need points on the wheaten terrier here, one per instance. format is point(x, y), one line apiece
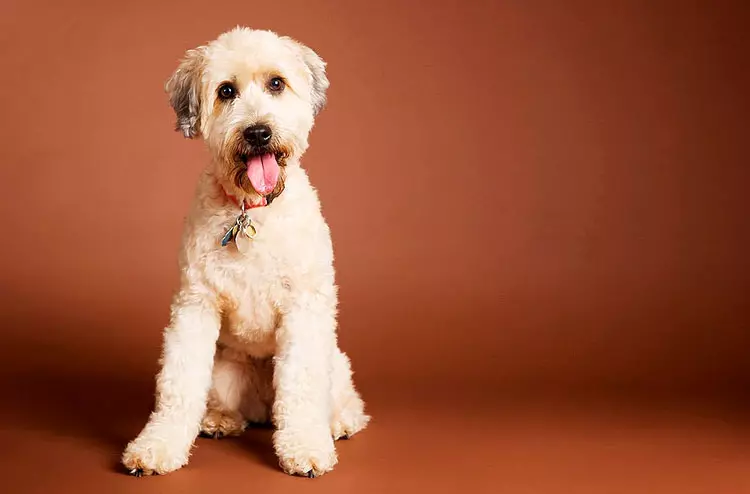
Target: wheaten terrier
point(252, 334)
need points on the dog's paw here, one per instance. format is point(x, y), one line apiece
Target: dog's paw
point(308, 453)
point(218, 424)
point(349, 420)
point(149, 456)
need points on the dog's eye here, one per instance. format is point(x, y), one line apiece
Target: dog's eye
point(276, 85)
point(227, 91)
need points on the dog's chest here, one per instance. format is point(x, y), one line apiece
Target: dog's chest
point(251, 313)
point(252, 287)
point(290, 255)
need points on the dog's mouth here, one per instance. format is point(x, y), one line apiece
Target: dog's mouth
point(263, 169)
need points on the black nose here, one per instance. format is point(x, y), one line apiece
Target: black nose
point(258, 135)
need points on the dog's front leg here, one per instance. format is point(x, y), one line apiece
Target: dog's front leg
point(302, 408)
point(182, 388)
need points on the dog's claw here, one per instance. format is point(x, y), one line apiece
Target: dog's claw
point(310, 474)
point(137, 472)
point(344, 437)
point(212, 435)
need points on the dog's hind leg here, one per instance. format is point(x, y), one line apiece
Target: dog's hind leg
point(230, 382)
point(258, 398)
point(348, 408)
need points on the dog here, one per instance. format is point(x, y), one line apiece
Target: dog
point(252, 335)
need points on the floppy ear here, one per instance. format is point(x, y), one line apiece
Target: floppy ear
point(317, 68)
point(183, 88)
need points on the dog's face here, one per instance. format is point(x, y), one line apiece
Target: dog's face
point(253, 96)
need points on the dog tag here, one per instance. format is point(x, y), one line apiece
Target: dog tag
point(242, 242)
point(228, 236)
point(248, 229)
point(246, 234)
point(242, 232)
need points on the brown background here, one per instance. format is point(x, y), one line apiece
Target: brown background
point(539, 215)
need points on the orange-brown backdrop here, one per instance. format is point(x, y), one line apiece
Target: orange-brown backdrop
point(525, 197)
point(545, 193)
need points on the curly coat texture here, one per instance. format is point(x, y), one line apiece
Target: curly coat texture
point(252, 336)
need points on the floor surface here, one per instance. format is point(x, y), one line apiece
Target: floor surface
point(64, 434)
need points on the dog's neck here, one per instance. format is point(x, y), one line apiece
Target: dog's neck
point(236, 197)
point(246, 203)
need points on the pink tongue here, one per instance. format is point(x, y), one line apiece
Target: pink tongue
point(263, 172)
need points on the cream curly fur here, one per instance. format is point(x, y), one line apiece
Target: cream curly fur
point(252, 336)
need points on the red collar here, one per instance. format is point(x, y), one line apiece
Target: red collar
point(248, 205)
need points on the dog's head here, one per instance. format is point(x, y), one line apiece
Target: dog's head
point(252, 95)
